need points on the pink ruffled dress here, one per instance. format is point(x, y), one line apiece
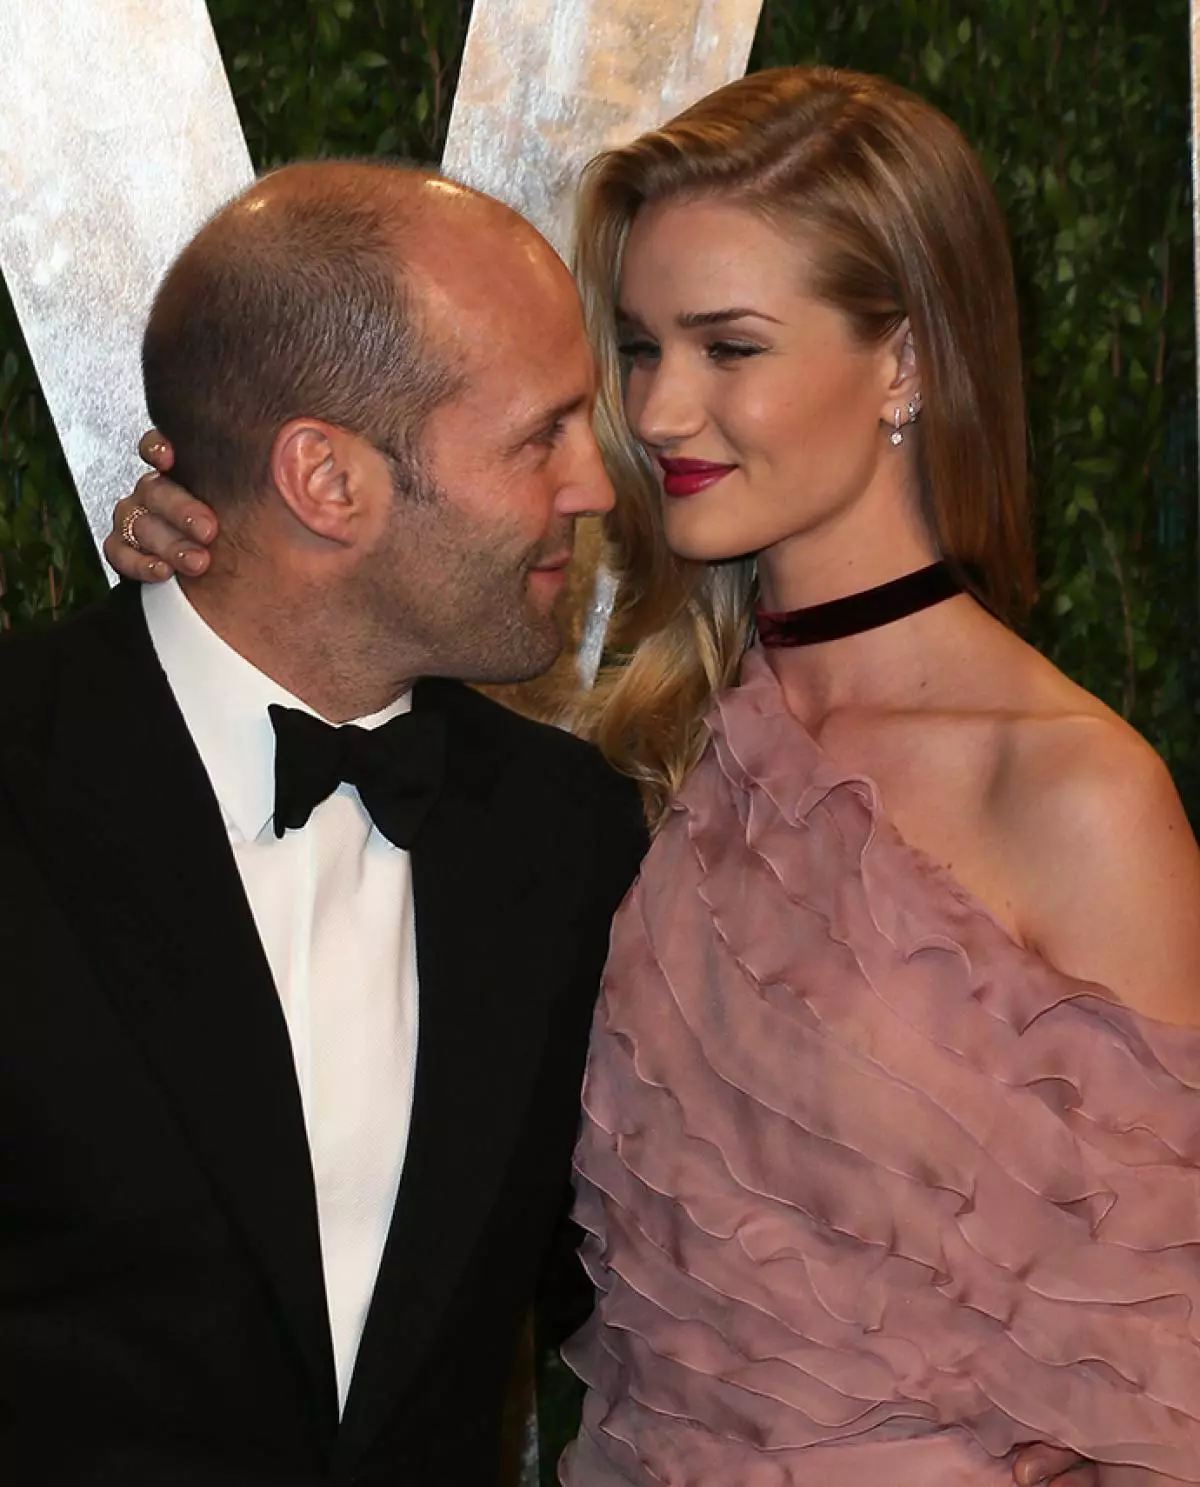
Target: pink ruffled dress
point(872, 1195)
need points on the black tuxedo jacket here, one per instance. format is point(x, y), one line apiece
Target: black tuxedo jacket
point(162, 1312)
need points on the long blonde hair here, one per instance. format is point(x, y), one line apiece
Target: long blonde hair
point(899, 221)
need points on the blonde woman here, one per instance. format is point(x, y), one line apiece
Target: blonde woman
point(889, 1164)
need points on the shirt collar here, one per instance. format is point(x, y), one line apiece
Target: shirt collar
point(224, 700)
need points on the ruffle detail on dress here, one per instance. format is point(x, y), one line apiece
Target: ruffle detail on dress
point(858, 1173)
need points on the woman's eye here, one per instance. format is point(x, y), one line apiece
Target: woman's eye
point(731, 350)
point(638, 351)
point(552, 433)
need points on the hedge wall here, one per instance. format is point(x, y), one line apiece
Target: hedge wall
point(1081, 114)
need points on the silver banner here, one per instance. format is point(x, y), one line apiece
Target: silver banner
point(546, 84)
point(118, 137)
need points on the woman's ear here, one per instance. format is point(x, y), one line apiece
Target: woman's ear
point(907, 371)
point(904, 373)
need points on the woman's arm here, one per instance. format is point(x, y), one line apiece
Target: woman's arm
point(1106, 875)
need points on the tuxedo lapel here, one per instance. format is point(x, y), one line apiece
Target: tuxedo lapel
point(481, 1030)
point(120, 810)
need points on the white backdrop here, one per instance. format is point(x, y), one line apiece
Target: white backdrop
point(118, 137)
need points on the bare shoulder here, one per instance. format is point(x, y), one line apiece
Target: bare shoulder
point(1084, 770)
point(1099, 842)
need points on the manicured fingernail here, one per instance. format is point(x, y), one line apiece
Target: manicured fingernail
point(190, 562)
point(157, 569)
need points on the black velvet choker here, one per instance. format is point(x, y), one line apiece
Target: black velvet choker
point(858, 612)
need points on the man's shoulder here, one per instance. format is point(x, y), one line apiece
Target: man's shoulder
point(38, 660)
point(98, 623)
point(566, 772)
point(25, 652)
point(570, 761)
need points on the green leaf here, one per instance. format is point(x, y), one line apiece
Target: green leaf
point(933, 62)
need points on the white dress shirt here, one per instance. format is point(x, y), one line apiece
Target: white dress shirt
point(333, 906)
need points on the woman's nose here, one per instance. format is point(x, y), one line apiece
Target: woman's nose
point(662, 405)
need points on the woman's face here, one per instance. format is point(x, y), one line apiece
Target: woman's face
point(768, 420)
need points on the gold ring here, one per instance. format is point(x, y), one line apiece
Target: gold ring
point(128, 536)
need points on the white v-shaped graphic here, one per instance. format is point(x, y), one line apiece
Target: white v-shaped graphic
point(118, 137)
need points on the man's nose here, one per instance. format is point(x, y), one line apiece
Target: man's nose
point(588, 491)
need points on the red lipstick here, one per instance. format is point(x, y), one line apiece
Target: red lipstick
point(688, 477)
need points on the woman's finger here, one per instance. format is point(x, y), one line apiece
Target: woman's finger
point(160, 539)
point(127, 562)
point(156, 450)
point(174, 507)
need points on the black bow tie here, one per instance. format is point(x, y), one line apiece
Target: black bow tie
point(397, 769)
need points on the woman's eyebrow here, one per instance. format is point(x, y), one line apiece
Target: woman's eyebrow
point(696, 319)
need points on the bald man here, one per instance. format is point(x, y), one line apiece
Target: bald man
point(289, 1089)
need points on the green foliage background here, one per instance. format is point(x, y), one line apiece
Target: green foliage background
point(1080, 112)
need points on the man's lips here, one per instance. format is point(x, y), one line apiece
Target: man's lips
point(687, 477)
point(552, 571)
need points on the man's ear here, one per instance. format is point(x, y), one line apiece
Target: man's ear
point(327, 478)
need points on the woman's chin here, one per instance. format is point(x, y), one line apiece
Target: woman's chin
point(707, 542)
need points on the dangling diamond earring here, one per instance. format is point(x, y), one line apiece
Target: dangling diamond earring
point(914, 407)
point(897, 436)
